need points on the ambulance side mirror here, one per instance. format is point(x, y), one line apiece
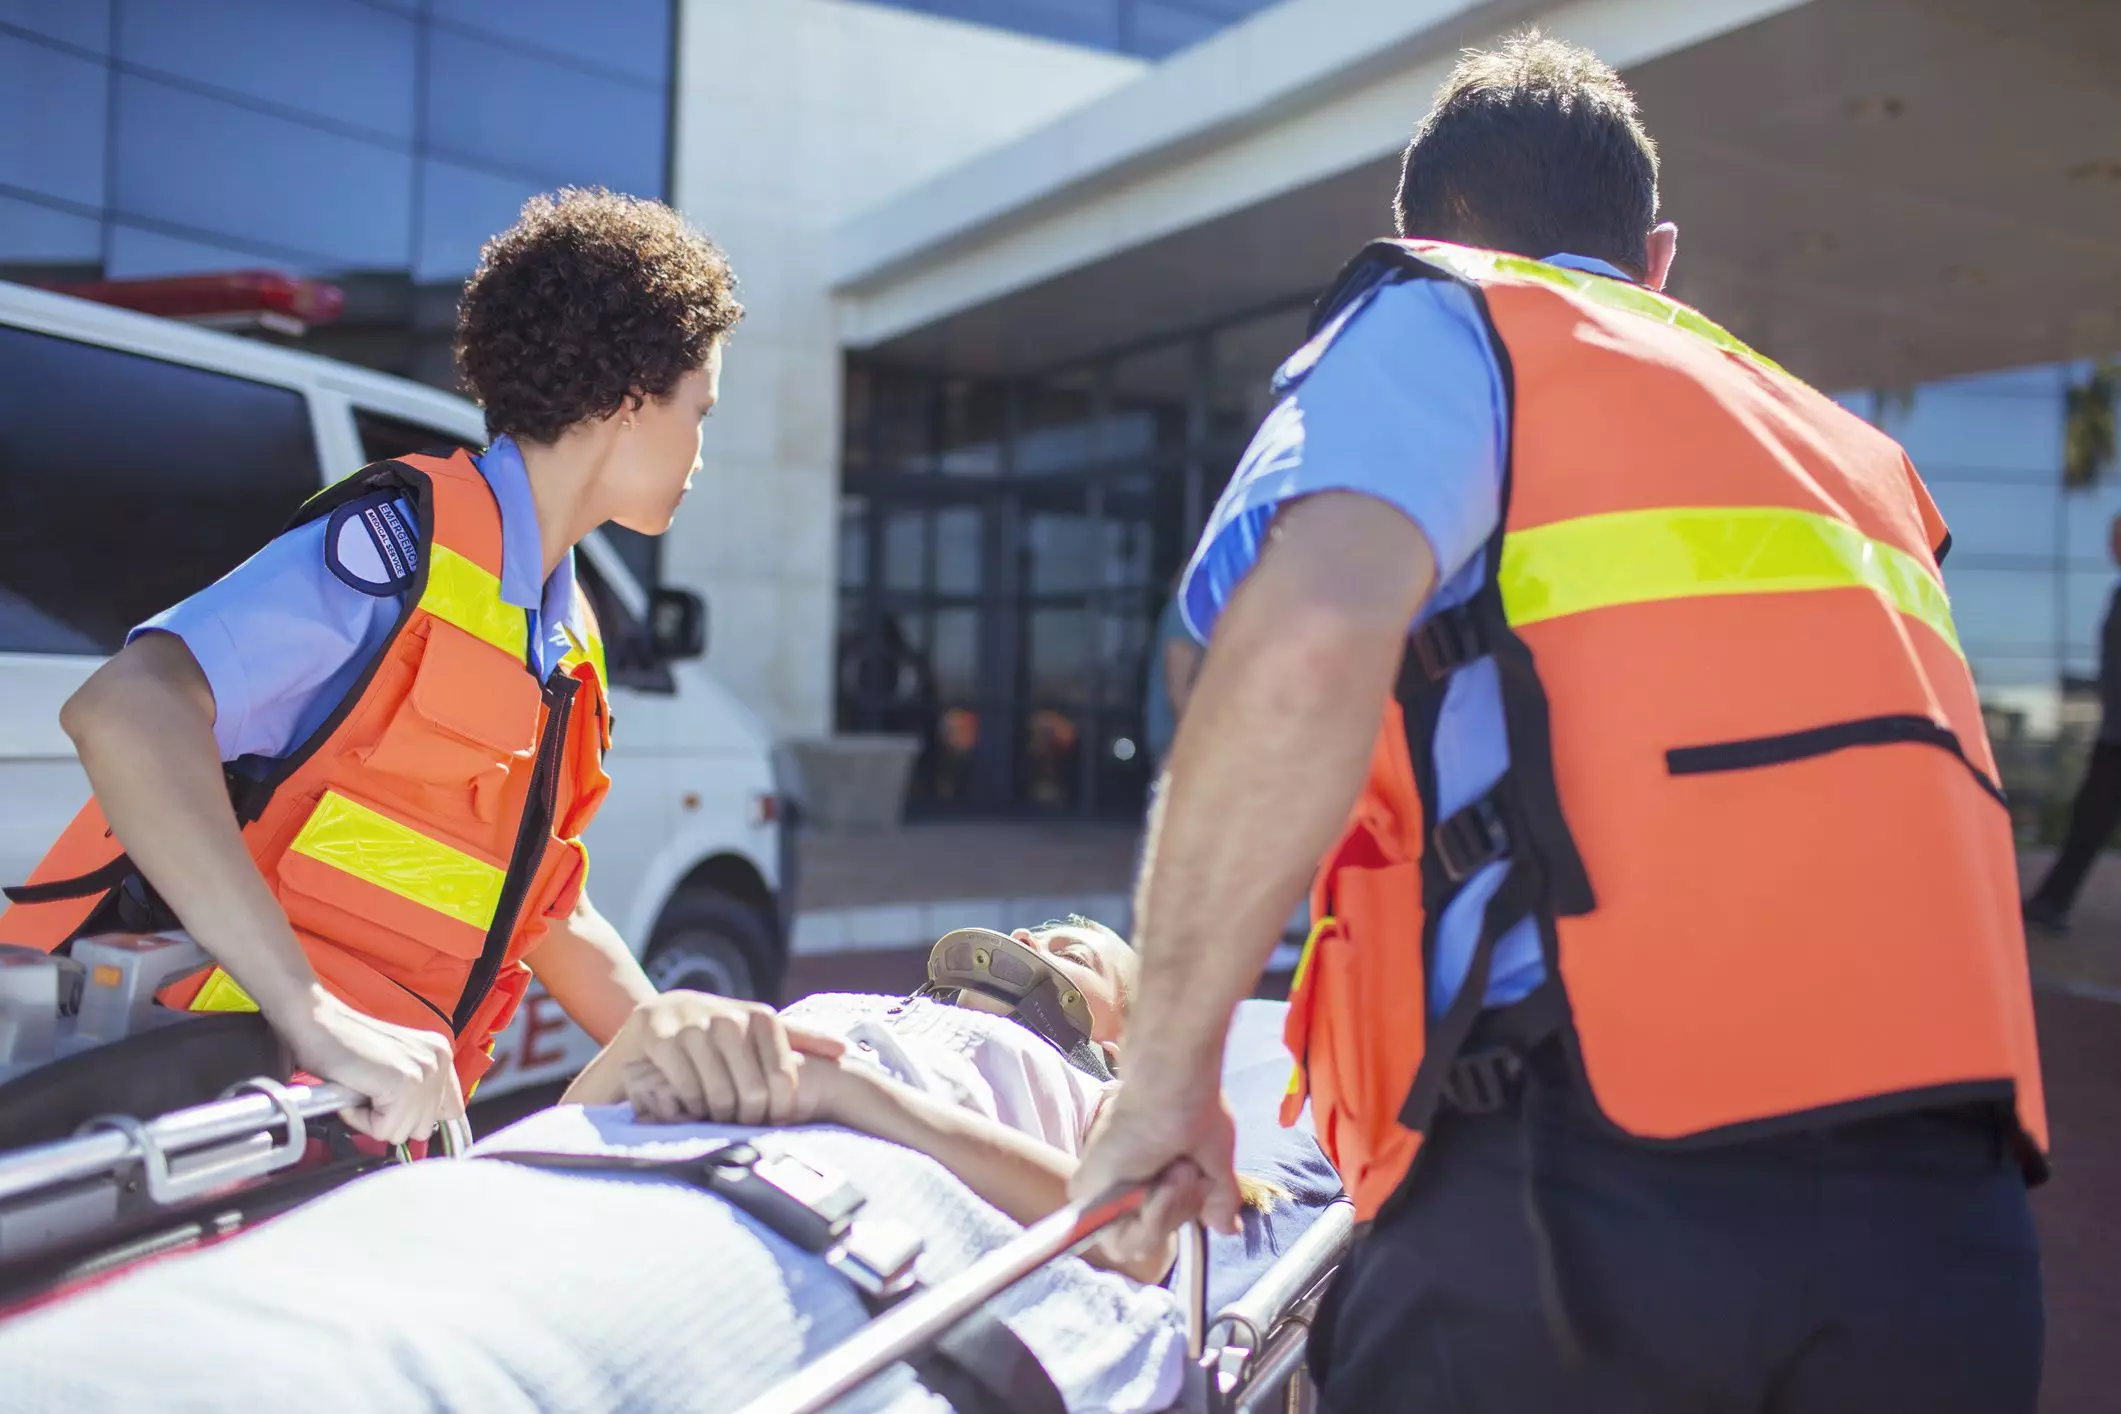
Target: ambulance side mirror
point(677, 624)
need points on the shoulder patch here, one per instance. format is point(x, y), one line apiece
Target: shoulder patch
point(371, 544)
point(1298, 365)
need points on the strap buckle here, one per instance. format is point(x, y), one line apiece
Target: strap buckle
point(1482, 1082)
point(1475, 836)
point(1447, 642)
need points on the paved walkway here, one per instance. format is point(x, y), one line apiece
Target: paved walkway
point(860, 891)
point(2088, 960)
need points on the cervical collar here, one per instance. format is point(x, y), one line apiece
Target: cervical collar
point(993, 972)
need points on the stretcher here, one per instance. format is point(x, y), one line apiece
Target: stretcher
point(79, 1210)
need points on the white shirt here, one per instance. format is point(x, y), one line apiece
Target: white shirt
point(987, 1064)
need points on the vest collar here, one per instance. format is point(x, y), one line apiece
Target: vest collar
point(522, 549)
point(1591, 264)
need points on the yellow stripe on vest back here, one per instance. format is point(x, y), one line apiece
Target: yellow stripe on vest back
point(1690, 552)
point(378, 850)
point(461, 592)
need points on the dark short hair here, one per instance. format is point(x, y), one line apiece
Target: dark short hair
point(1533, 148)
point(589, 301)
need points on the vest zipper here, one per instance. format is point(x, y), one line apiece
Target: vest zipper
point(531, 837)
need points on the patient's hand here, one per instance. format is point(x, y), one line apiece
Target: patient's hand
point(698, 1056)
point(818, 1096)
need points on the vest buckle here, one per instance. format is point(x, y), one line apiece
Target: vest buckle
point(1475, 836)
point(1482, 1082)
point(1447, 642)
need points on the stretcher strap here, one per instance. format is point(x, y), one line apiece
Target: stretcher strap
point(980, 1366)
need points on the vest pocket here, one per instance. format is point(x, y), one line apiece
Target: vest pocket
point(1366, 1003)
point(1752, 753)
point(470, 717)
point(585, 784)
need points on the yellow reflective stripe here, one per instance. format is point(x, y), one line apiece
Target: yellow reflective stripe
point(377, 849)
point(1602, 289)
point(1303, 959)
point(1687, 552)
point(462, 593)
point(222, 993)
point(593, 651)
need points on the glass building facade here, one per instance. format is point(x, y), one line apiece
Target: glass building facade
point(373, 142)
point(1152, 29)
point(1006, 547)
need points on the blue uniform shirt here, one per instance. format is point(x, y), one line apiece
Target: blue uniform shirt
point(282, 639)
point(1400, 398)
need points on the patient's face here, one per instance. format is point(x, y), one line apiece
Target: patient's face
point(1100, 966)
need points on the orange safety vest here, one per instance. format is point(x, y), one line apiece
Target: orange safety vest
point(426, 831)
point(1751, 803)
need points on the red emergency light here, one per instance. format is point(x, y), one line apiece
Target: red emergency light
point(266, 299)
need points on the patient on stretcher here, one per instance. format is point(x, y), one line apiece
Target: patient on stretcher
point(494, 1285)
point(974, 1085)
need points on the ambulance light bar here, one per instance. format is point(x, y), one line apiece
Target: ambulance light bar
point(266, 299)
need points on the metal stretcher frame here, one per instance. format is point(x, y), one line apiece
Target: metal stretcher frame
point(1252, 1350)
point(1247, 1353)
point(66, 1187)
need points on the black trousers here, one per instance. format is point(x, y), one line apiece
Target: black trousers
point(2091, 822)
point(1879, 1266)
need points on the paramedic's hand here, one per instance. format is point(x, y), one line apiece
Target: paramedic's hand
point(725, 1060)
point(1174, 1130)
point(406, 1074)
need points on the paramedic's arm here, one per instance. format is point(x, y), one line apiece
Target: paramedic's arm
point(590, 971)
point(143, 725)
point(1181, 670)
point(1265, 768)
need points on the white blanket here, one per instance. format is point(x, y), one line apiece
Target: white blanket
point(479, 1286)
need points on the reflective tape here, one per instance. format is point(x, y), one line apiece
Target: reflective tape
point(461, 592)
point(1691, 552)
point(221, 992)
point(1478, 265)
point(378, 850)
point(591, 651)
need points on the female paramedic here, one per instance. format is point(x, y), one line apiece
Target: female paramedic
point(358, 767)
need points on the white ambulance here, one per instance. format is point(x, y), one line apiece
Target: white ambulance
point(141, 458)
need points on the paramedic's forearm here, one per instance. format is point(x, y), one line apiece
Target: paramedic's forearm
point(587, 967)
point(143, 725)
point(1026, 1179)
point(1274, 747)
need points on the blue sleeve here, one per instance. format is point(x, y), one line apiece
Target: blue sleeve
point(281, 639)
point(1398, 398)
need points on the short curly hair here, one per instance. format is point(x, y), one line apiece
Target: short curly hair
point(589, 300)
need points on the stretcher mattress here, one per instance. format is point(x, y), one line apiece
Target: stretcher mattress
point(488, 1286)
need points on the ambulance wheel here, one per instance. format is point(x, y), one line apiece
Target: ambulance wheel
point(709, 942)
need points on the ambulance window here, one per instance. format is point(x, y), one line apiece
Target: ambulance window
point(626, 652)
point(384, 438)
point(128, 483)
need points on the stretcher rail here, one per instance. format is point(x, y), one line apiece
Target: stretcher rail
point(106, 1145)
point(922, 1319)
point(1254, 1315)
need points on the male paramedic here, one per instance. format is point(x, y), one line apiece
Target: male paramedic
point(357, 768)
point(1667, 1011)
